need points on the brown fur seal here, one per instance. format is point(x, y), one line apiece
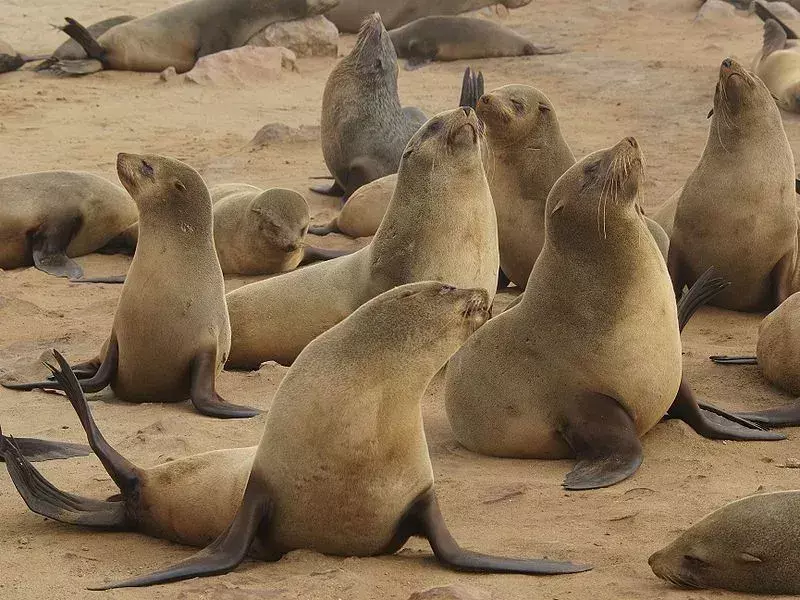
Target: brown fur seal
point(349, 14)
point(71, 50)
point(526, 155)
point(178, 35)
point(440, 226)
point(750, 545)
point(590, 359)
point(364, 129)
point(171, 332)
point(778, 66)
point(342, 466)
point(48, 218)
point(456, 38)
point(737, 211)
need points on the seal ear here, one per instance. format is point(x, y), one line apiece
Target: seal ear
point(749, 558)
point(710, 114)
point(179, 186)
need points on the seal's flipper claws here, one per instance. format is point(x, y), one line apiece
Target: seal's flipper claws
point(734, 360)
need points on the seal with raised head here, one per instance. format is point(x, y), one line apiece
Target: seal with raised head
point(590, 359)
point(171, 332)
point(178, 35)
point(446, 38)
point(526, 155)
point(737, 211)
point(50, 217)
point(749, 545)
point(778, 66)
point(342, 467)
point(364, 128)
point(440, 226)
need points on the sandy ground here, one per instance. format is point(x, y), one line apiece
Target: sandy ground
point(636, 67)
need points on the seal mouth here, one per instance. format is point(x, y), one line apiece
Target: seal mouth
point(472, 122)
point(477, 310)
point(370, 34)
point(125, 170)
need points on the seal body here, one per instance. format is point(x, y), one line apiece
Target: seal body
point(526, 155)
point(363, 212)
point(778, 347)
point(778, 66)
point(440, 226)
point(63, 212)
point(737, 211)
point(749, 545)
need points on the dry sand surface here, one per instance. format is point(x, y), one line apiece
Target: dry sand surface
point(635, 67)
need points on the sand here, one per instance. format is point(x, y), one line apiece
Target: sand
point(635, 67)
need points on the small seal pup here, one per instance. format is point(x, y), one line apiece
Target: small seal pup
point(50, 217)
point(737, 211)
point(440, 226)
point(526, 155)
point(441, 38)
point(364, 129)
point(178, 35)
point(590, 359)
point(171, 332)
point(778, 66)
point(342, 467)
point(749, 545)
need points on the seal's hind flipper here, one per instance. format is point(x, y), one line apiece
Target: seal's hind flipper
point(533, 50)
point(85, 66)
point(109, 279)
point(734, 360)
point(784, 416)
point(321, 230)
point(766, 14)
point(40, 450)
point(333, 189)
point(43, 498)
point(708, 285)
point(49, 245)
point(604, 439)
point(226, 552)
point(774, 38)
point(205, 398)
point(424, 518)
point(472, 88)
point(80, 34)
point(313, 254)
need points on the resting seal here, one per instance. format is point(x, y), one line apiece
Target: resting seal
point(171, 332)
point(440, 226)
point(342, 467)
point(778, 66)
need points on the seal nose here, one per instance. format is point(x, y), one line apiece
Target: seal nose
point(727, 63)
point(632, 141)
point(467, 110)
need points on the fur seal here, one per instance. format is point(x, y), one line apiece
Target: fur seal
point(363, 212)
point(10, 59)
point(778, 66)
point(342, 466)
point(71, 50)
point(737, 211)
point(349, 14)
point(590, 359)
point(178, 35)
point(440, 226)
point(171, 332)
point(456, 38)
point(50, 217)
point(526, 155)
point(364, 129)
point(749, 545)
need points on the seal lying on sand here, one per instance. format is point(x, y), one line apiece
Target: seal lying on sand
point(71, 50)
point(456, 38)
point(48, 218)
point(749, 545)
point(342, 467)
point(178, 35)
point(590, 359)
point(171, 332)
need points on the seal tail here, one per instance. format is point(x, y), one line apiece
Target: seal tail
point(80, 34)
point(472, 88)
point(708, 285)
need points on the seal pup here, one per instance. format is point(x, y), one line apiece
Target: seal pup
point(364, 129)
point(178, 35)
point(526, 155)
point(342, 467)
point(440, 226)
point(456, 38)
point(778, 66)
point(50, 217)
point(171, 331)
point(71, 50)
point(749, 545)
point(737, 211)
point(589, 359)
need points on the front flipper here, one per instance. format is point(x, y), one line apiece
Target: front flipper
point(714, 423)
point(312, 254)
point(425, 519)
point(604, 439)
point(226, 552)
point(734, 360)
point(205, 398)
point(40, 450)
point(333, 189)
point(49, 245)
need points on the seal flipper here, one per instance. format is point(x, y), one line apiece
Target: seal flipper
point(40, 450)
point(774, 38)
point(425, 519)
point(783, 416)
point(321, 230)
point(766, 14)
point(226, 552)
point(85, 66)
point(312, 254)
point(734, 360)
point(108, 279)
point(708, 285)
point(333, 189)
point(86, 40)
point(605, 442)
point(472, 88)
point(205, 398)
point(49, 245)
point(361, 171)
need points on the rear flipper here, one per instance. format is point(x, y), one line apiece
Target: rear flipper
point(45, 499)
point(533, 49)
point(333, 189)
point(765, 14)
point(109, 279)
point(85, 66)
point(40, 450)
point(472, 88)
point(734, 360)
point(86, 40)
point(784, 416)
point(49, 245)
point(332, 227)
point(425, 519)
point(204, 396)
point(312, 254)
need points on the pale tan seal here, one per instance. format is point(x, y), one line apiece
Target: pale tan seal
point(342, 466)
point(737, 211)
point(749, 545)
point(180, 34)
point(778, 66)
point(440, 226)
point(50, 217)
point(363, 212)
point(590, 359)
point(171, 332)
point(526, 155)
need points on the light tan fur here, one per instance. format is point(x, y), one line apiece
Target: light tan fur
point(659, 235)
point(598, 315)
point(363, 212)
point(778, 347)
point(664, 215)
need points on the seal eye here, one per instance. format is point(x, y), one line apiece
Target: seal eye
point(543, 107)
point(179, 186)
point(693, 561)
point(519, 106)
point(435, 126)
point(146, 169)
